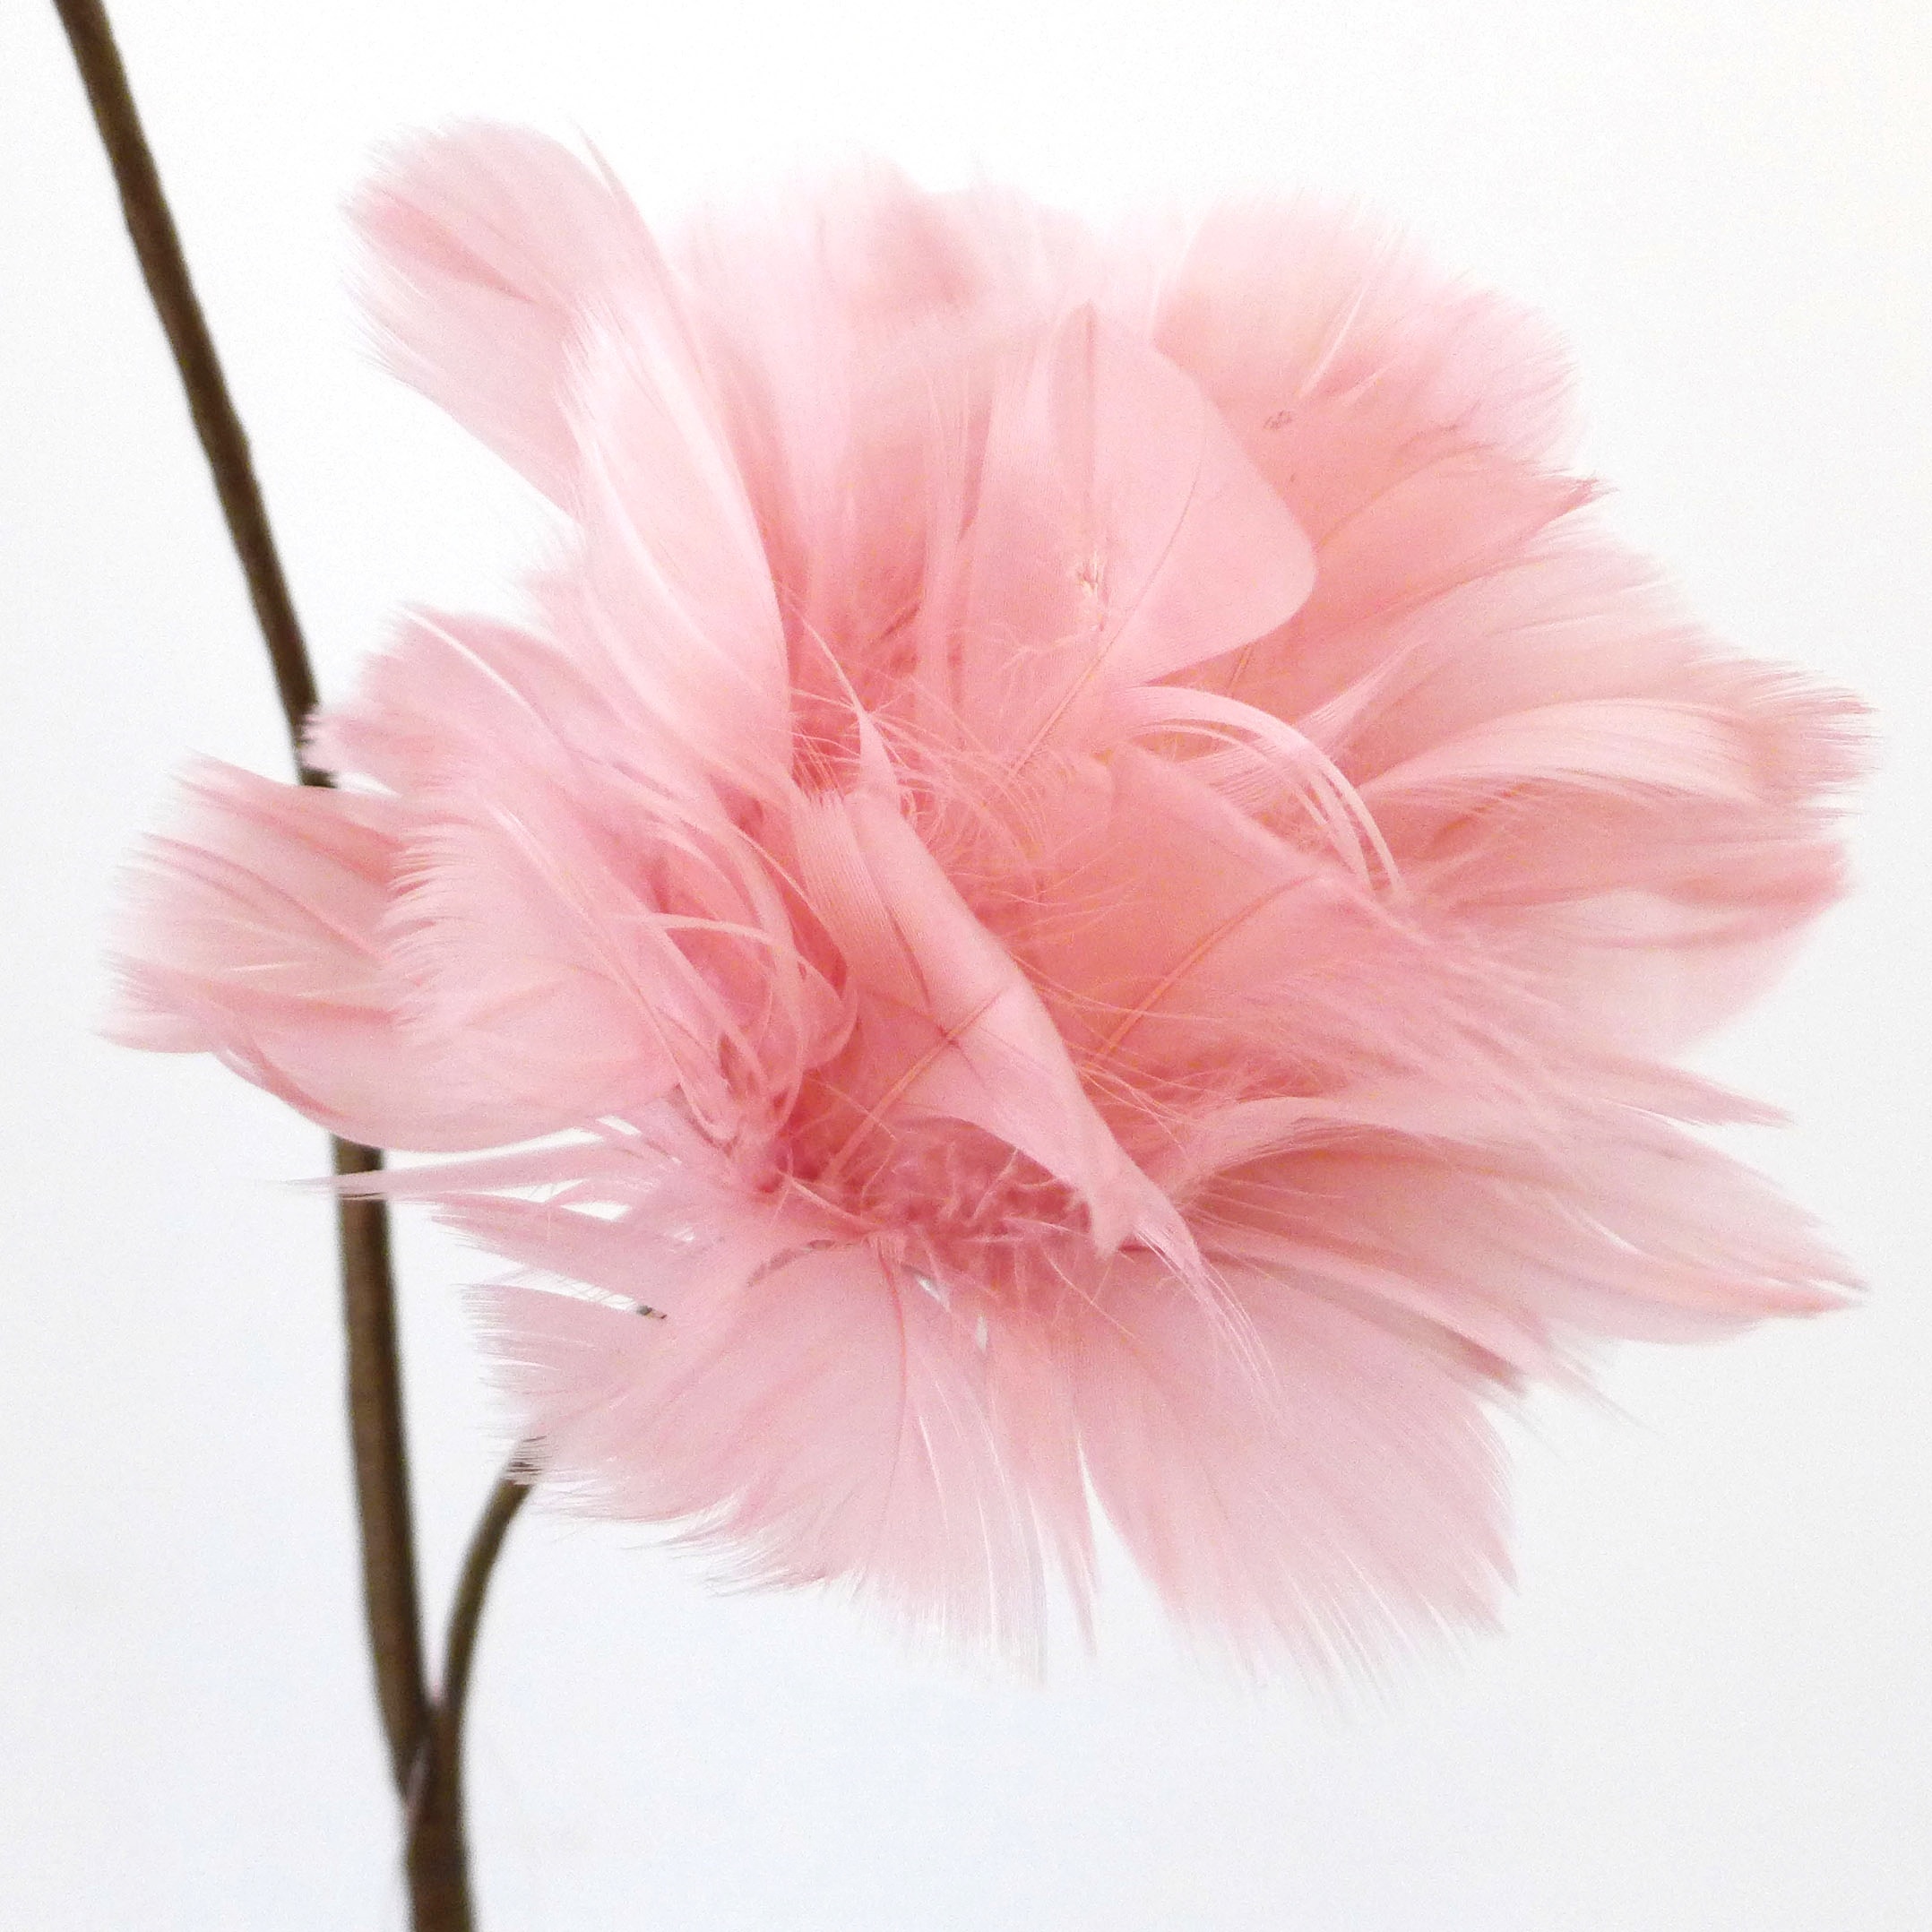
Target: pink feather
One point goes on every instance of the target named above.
(1098, 851)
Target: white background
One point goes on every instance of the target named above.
(1711, 1711)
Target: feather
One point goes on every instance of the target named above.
(484, 245)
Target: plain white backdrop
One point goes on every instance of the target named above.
(1711, 1710)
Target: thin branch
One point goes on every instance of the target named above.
(164, 269)
(466, 1613)
(425, 1743)
(437, 1853)
(374, 1374)
(379, 1445)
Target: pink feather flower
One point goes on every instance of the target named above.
(1086, 870)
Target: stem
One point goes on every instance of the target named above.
(379, 1446)
(466, 1613)
(374, 1376)
(424, 1747)
(158, 247)
(438, 1854)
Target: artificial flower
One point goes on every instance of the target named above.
(1085, 870)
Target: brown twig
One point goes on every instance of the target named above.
(466, 1612)
(379, 1446)
(374, 1376)
(157, 246)
(424, 1745)
(436, 1847)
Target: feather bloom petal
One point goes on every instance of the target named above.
(1095, 859)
